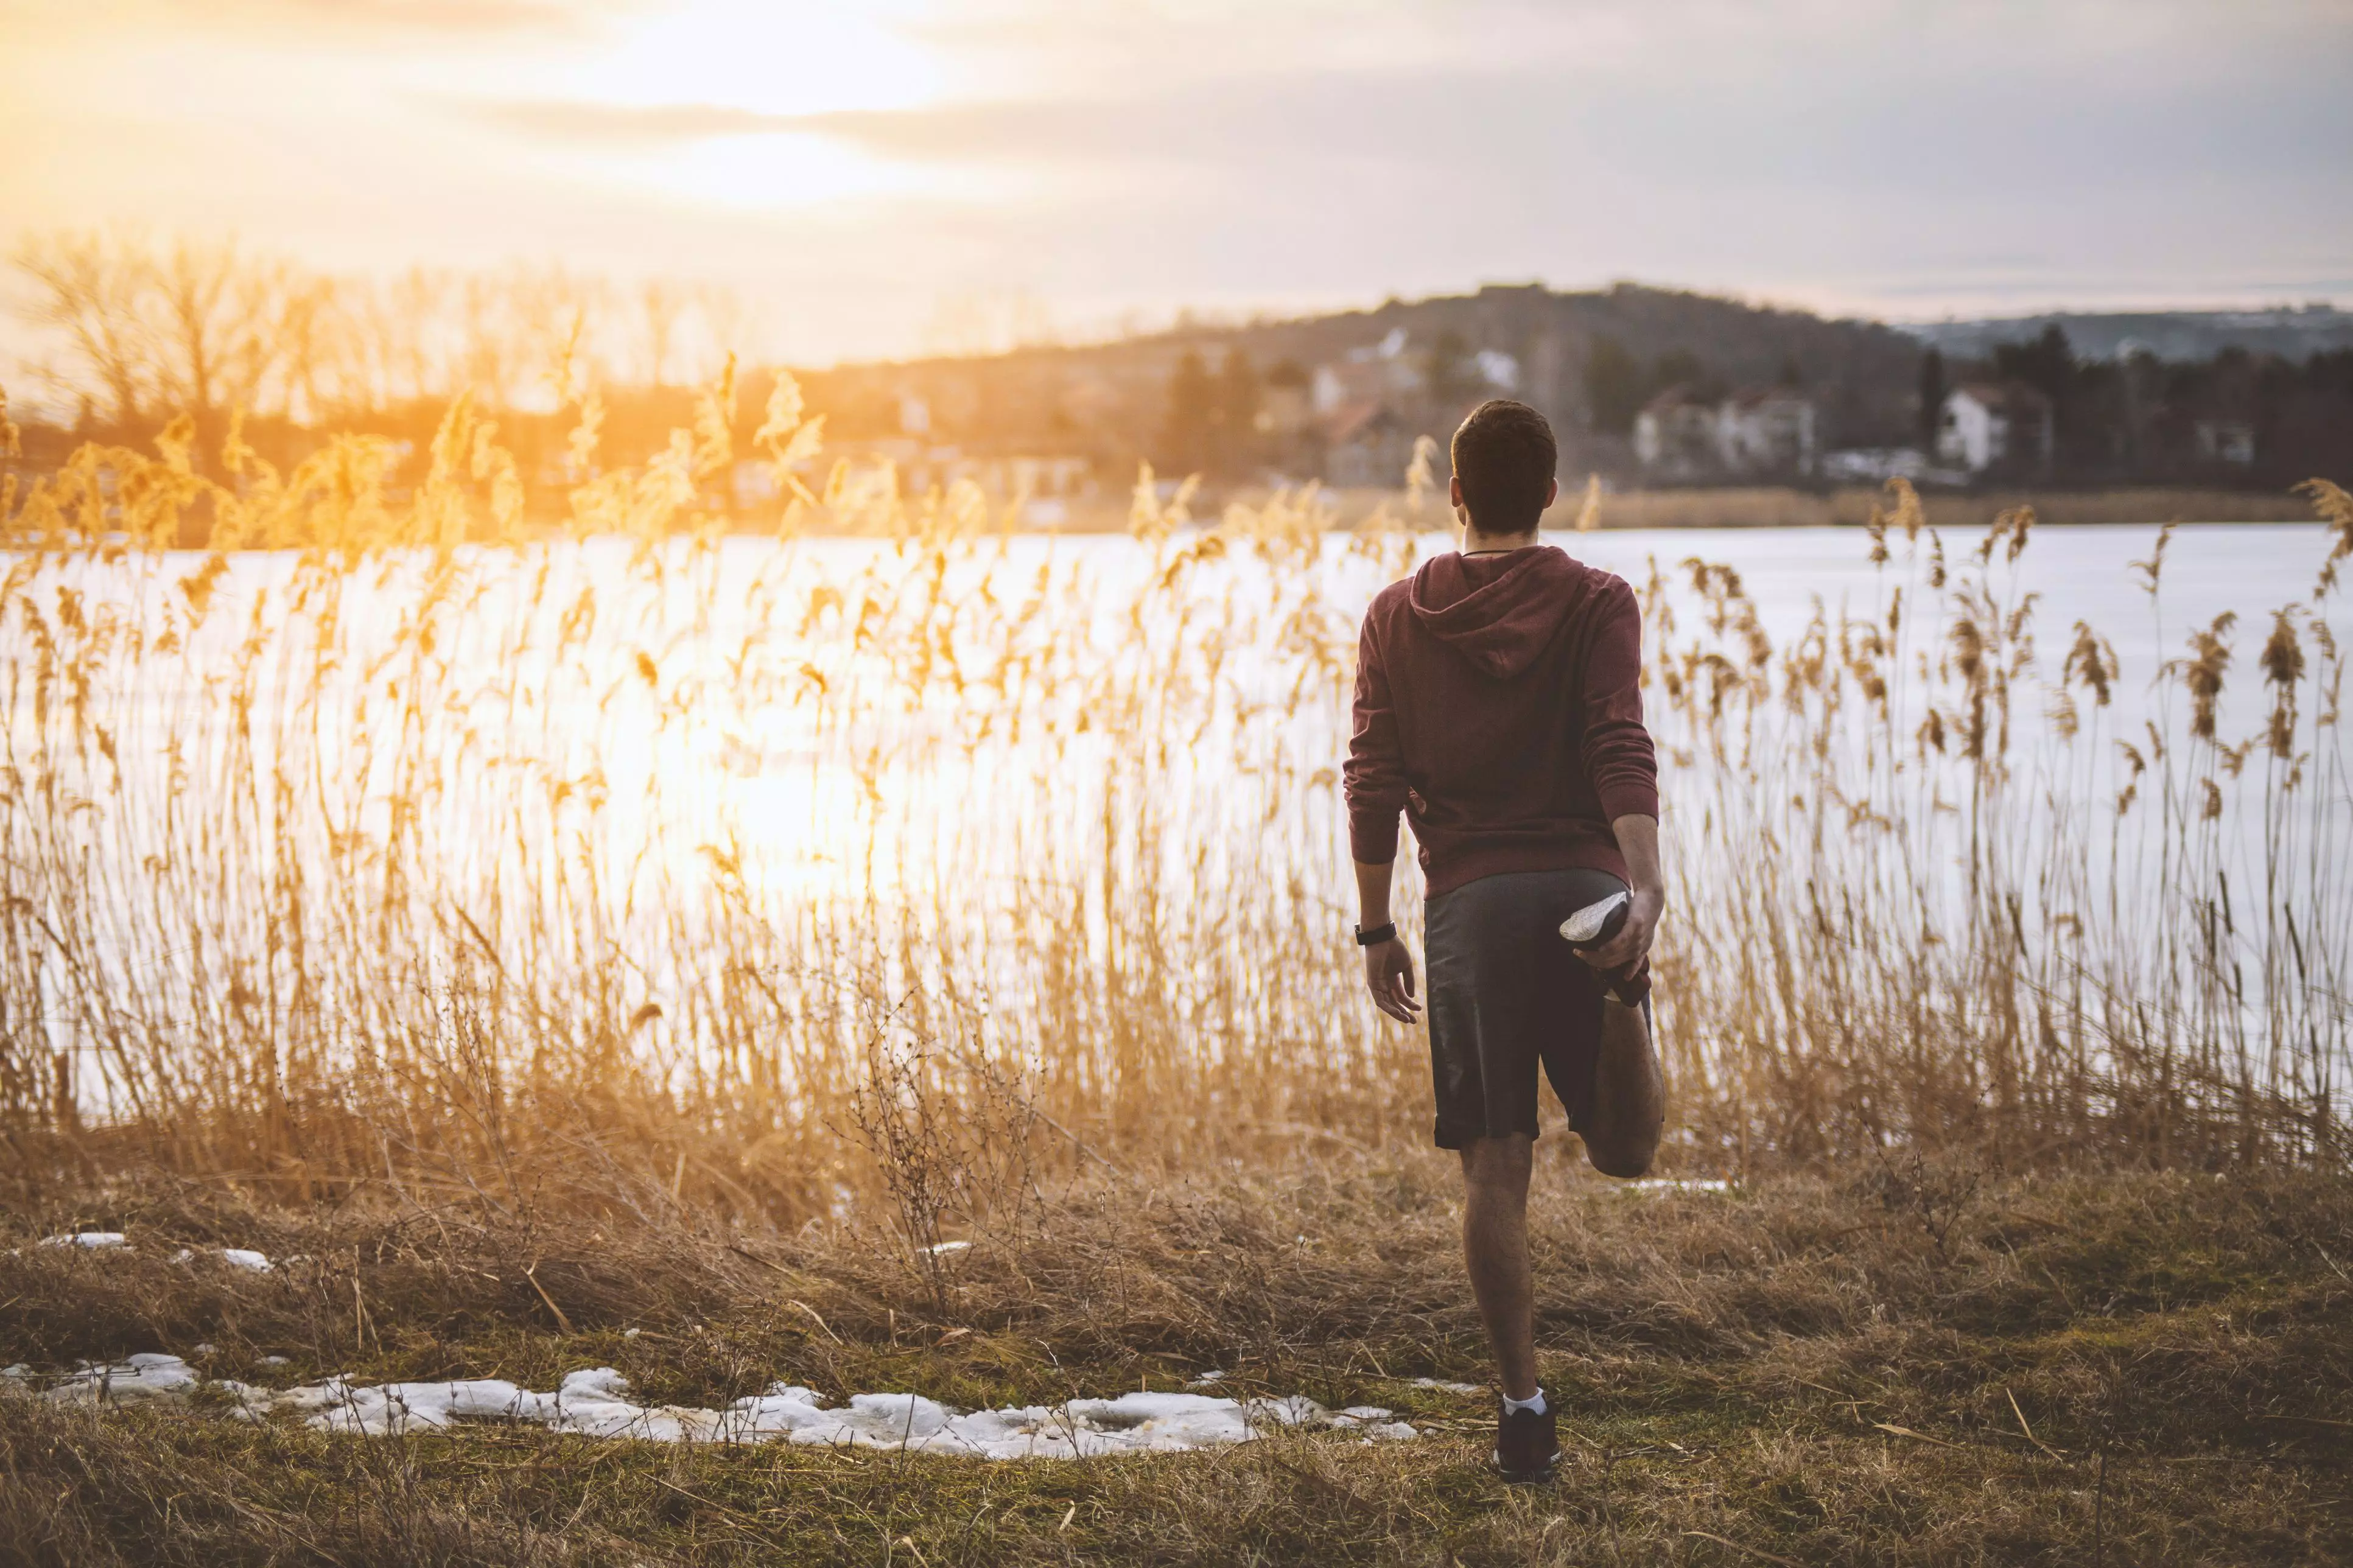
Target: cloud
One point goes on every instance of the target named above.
(626, 125)
(415, 16)
(313, 22)
(1858, 153)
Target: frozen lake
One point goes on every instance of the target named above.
(1046, 770)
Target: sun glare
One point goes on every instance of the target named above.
(766, 171)
(772, 61)
(781, 59)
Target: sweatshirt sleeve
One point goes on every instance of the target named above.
(1373, 775)
(1618, 758)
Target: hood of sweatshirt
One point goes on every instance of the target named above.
(1499, 612)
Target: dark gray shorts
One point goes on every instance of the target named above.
(1505, 993)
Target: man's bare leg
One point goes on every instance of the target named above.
(1495, 1248)
(1630, 1095)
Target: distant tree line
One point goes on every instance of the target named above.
(136, 333)
(1211, 426)
(2265, 417)
(1618, 384)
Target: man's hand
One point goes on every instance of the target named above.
(1388, 975)
(1623, 953)
(1638, 840)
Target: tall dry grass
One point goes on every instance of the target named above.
(401, 844)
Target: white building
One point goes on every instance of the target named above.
(2225, 441)
(1988, 426)
(1498, 370)
(1680, 436)
(1767, 432)
(1677, 435)
(1367, 444)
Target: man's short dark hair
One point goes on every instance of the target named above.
(1505, 456)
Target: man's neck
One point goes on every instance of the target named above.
(1477, 543)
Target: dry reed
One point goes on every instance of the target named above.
(391, 841)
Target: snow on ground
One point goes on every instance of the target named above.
(243, 1257)
(595, 1403)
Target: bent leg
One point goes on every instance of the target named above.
(1495, 1248)
(1630, 1095)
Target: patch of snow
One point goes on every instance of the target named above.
(207, 1347)
(1210, 1379)
(273, 1360)
(595, 1402)
(147, 1375)
(1675, 1184)
(235, 1257)
(945, 1248)
(1444, 1387)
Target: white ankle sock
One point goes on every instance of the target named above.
(1534, 1402)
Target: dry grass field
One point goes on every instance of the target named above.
(1901, 1363)
(526, 940)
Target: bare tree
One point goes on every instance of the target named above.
(490, 356)
(215, 318)
(417, 319)
(728, 325)
(89, 289)
(314, 364)
(662, 306)
(554, 311)
(206, 329)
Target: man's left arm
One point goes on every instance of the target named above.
(1373, 780)
(1638, 841)
(1623, 765)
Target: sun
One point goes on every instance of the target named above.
(779, 60)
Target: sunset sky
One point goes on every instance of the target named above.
(865, 173)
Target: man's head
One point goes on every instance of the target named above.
(1503, 462)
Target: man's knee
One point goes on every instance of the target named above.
(1625, 1158)
(1499, 1163)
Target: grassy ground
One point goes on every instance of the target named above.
(1898, 1366)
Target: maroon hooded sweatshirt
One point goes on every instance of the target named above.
(1499, 705)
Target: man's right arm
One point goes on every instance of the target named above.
(1373, 778)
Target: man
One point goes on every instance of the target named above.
(1499, 705)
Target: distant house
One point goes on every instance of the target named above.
(1987, 425)
(1681, 435)
(1676, 436)
(1285, 408)
(1498, 369)
(1767, 432)
(914, 469)
(2231, 441)
(1877, 465)
(1366, 444)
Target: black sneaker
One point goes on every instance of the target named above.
(1527, 1445)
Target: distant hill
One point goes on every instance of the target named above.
(1423, 360)
(2293, 332)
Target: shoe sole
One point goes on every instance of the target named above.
(1525, 1477)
